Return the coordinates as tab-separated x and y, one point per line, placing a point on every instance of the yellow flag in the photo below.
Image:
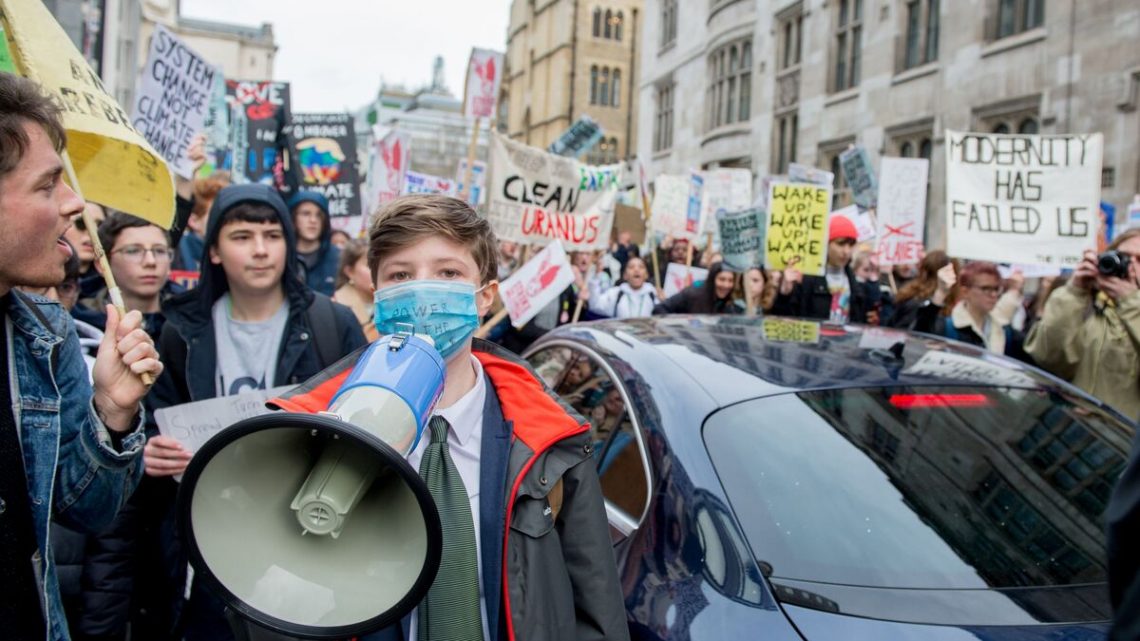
116	166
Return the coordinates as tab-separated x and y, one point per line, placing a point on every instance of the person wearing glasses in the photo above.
139	254
975	318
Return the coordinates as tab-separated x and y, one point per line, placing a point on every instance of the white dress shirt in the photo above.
464	440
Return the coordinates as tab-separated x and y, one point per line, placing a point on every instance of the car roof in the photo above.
736	358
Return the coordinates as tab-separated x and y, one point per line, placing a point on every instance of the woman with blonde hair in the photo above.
354	285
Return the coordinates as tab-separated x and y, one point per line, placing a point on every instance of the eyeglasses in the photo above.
135	253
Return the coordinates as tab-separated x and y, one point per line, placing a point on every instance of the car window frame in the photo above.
625	524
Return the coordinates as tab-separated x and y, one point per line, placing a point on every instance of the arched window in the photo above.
1028	126
925	148
907	150
613	150
594	85
618	24
604	87
615	93
609	19
1001	128
597	22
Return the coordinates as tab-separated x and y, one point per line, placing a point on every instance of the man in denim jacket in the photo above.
68	451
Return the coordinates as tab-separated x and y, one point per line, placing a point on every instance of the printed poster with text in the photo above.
537	283
484	75
670	203
174	92
388	160
724	190
1031	200
797	227
264	110
902	210
537	197
324	157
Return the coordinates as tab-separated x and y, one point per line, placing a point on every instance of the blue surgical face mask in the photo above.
444	310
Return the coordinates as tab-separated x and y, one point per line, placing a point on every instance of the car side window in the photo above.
587	386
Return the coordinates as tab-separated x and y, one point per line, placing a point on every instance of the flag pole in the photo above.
113	290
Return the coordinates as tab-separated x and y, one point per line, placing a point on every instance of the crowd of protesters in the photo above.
281	295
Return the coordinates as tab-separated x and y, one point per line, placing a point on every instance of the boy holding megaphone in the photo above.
526	545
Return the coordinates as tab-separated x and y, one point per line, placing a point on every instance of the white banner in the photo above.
417	183
1022	199
725	190
484	75
387	163
902	209
670	202
537	283
678	277
174	93
538	197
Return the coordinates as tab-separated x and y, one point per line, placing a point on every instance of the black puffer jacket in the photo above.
95	578
812	299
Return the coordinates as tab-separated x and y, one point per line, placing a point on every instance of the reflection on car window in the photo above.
582	383
921	487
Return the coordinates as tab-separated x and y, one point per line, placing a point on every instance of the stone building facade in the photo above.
566	58
762	83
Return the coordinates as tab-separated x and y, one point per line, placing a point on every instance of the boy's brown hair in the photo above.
407	220
22	101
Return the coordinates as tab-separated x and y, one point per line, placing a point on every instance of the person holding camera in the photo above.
1090	331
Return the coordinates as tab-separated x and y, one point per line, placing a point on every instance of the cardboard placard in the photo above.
797	227
902	210
537	283
323	153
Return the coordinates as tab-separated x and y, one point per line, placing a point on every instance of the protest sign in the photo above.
219	150
478	192
798	173
387	163
186	278
265	109
902	210
324	156
766	188
784	330
484	74
174	91
693	211
797	227
970	369
538	197
724	190
537	283
670	202
578	139
1029	271
1106	231
678	277
1022	199
417	183
7	65
192	424
1133	213
114	165
881	338
629	219
860	176
864	222
742	238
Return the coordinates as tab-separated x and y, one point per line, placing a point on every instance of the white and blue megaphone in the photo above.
314	526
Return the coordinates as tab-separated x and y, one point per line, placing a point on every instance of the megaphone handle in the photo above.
245	630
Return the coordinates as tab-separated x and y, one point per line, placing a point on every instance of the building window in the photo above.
604	87
787	135
618	20
914	146
594	85
1017	16
791	41
730	92
848	44
615	93
597	23
663	119
668	22
607	32
921	33
1027	126
1021	123
829	156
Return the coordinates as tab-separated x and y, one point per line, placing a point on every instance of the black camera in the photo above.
1113	263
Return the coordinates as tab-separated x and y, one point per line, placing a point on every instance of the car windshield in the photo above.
919	487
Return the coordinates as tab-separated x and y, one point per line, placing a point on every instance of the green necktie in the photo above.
451	608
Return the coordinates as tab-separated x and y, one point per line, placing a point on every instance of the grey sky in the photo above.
334	52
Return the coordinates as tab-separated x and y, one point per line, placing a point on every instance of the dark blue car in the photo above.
778	479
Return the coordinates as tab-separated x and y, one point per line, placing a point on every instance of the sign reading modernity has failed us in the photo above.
538	197
1022	199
